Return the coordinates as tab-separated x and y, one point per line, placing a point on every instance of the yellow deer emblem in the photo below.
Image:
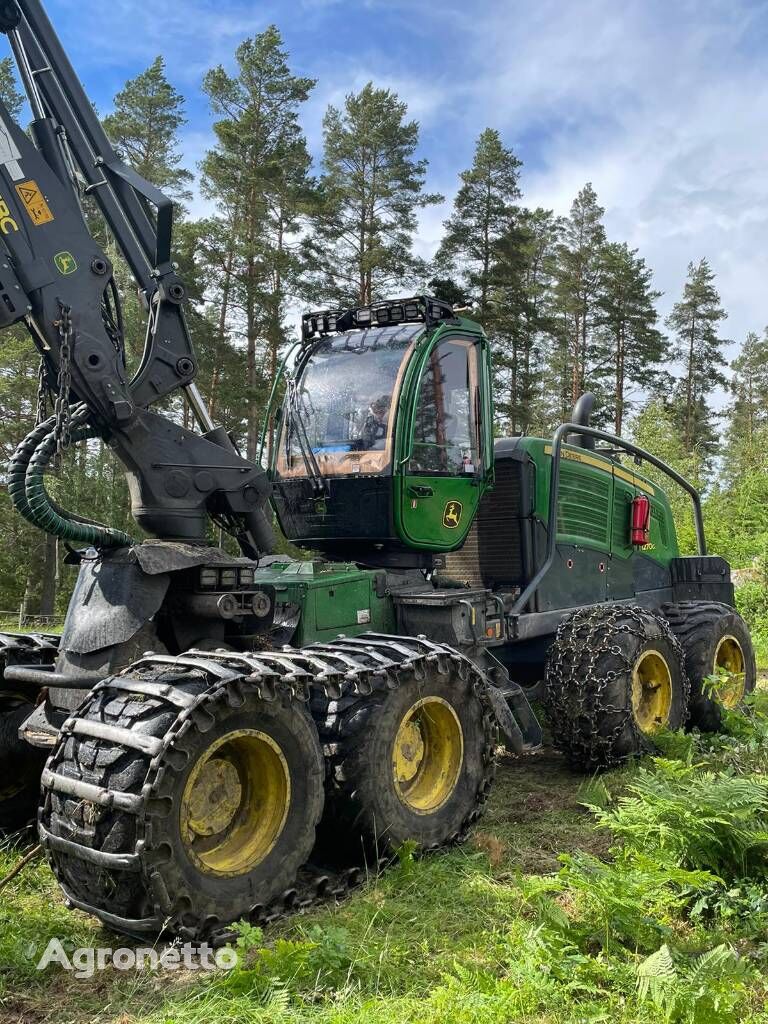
452	514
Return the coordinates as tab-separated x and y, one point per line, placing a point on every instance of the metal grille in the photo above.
658	517
492	553
584	509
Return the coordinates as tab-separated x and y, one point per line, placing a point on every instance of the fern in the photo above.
694	818
655	973
705	989
631	902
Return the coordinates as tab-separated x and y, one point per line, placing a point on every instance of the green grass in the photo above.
627	927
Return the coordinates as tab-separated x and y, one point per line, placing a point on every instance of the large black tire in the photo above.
391	777
615	674
712	634
20	766
146	828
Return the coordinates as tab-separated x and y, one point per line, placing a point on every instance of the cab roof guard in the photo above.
418	309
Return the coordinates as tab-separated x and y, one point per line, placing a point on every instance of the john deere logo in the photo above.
65	263
452	514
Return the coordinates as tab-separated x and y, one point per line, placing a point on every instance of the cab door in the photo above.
447	451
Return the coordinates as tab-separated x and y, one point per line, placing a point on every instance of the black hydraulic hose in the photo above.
17	468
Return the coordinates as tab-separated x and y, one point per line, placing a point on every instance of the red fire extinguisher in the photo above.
640	521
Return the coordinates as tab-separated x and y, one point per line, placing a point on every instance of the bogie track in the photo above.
108	818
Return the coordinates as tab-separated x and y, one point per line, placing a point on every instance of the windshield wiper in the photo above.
297	427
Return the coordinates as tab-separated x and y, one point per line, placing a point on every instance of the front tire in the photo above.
173	803
615	676
716	641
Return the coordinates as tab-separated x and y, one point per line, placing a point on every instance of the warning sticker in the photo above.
34	202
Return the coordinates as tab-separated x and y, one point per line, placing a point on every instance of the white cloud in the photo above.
662	107
192	36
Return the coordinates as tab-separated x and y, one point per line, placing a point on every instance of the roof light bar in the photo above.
421	309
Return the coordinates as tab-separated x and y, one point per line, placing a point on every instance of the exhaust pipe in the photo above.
582	413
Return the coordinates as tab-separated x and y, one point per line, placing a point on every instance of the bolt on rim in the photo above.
427	755
651	691
235	803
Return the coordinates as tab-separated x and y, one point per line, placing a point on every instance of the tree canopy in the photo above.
566	306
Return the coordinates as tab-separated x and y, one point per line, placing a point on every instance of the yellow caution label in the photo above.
34	202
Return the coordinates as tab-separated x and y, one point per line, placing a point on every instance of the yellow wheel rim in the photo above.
235	803
651	691
427	755
730	666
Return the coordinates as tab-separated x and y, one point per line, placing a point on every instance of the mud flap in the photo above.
113	598
519	726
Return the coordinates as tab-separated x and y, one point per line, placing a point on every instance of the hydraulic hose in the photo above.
17	469
26	486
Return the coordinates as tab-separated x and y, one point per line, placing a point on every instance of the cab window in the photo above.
445	422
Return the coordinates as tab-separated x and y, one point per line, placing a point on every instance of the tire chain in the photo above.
582	639
27	649
328	671
332	715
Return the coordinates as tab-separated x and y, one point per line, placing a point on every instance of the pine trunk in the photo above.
49	574
689	390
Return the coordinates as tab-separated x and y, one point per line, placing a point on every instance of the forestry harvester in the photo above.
206	721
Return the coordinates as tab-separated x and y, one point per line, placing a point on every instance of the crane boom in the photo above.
57	280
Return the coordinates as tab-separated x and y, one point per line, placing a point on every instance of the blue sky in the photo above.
663	106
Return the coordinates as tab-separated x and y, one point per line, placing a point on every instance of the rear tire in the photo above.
713	636
615	675
20	766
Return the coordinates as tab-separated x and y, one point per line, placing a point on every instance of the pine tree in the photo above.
656	429
28	569
521	276
258	174
9	90
747	428
144	125
736	523
695	320
576	295
483	210
633	345
373	186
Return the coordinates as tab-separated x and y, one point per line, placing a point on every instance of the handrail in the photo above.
554	495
